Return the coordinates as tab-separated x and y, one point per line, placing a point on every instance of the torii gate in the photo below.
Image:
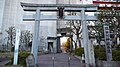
38	8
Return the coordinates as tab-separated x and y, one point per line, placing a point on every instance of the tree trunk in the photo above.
78	39
11	40
79	43
75	45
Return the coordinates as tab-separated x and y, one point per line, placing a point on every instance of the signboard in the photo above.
108	43
16	46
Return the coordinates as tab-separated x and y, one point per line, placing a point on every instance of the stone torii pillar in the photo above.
89	58
85	36
36	35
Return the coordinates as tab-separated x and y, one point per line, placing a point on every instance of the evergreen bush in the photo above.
21	58
116	55
79	51
100	53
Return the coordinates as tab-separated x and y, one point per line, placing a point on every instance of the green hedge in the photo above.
100	53
22	57
79	51
116	55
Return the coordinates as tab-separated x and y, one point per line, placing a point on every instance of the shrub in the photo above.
67	44
12	49
79	51
116	55
100	53
21	58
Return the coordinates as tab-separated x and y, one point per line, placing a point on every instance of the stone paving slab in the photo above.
60	60
4	62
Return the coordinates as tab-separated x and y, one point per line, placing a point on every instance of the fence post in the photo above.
68	61
53	58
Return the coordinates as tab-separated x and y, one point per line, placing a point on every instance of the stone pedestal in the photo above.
30	61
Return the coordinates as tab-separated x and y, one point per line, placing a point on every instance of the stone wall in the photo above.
108	63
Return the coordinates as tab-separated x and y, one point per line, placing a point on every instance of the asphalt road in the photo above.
58	60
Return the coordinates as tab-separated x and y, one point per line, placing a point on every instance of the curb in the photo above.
4	62
78	57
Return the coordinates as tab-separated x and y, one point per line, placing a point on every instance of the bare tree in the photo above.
76	29
25	39
11	36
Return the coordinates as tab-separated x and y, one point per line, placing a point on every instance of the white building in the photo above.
11	14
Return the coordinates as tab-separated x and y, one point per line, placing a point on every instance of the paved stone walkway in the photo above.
3	60
58	60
